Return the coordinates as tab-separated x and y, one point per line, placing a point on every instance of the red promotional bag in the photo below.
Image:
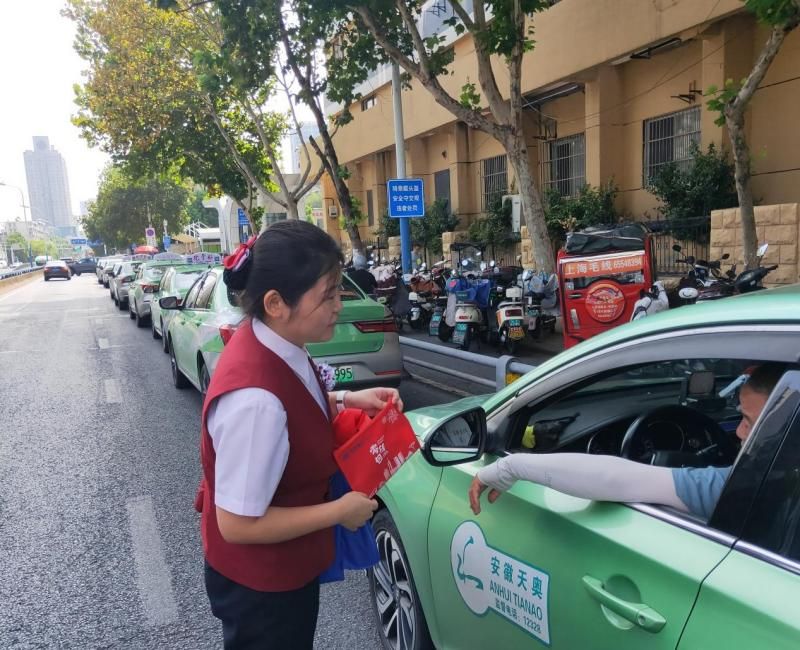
375	449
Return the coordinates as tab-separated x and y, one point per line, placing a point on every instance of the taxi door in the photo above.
599	291
182	326
567	572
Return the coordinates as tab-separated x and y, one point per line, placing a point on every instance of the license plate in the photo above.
516	333
343	374
460	332
433	326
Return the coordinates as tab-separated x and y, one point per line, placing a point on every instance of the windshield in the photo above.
153	274
185	279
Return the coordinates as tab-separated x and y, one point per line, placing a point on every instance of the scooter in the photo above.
541	298
510	322
746	282
470	309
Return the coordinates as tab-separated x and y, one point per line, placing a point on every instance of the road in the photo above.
99	458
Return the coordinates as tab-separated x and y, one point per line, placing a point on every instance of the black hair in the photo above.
288	257
765	377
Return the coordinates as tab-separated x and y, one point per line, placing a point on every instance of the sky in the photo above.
38	71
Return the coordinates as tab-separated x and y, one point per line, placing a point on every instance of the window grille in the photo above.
668	139
369	102
273	217
494	172
562	164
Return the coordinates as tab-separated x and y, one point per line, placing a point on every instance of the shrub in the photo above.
594	206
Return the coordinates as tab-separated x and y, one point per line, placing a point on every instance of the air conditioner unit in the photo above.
516	210
333	211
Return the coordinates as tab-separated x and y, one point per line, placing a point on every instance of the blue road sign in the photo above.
406	197
77	241
242	218
167	241
95	243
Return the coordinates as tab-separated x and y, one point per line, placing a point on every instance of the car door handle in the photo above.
575	296
639	614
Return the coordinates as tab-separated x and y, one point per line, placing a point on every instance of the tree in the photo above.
153	100
498	29
126	205
783	16
271	38
593	206
428	230
197	212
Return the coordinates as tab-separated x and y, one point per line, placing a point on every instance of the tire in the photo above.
395	601
511	346
153	330
131	313
178	378
415	324
122	304
398	321
164	338
445	332
47	279
78	273
205	378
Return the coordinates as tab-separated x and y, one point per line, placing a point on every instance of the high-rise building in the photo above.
48	186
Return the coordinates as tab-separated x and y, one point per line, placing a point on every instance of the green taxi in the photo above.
143	288
176	281
364	350
541	568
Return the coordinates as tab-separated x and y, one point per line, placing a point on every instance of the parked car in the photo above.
364	350
83	265
176	281
108	265
144	286
573	573
56	269
120	278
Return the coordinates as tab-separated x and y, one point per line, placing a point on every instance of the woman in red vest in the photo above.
267	443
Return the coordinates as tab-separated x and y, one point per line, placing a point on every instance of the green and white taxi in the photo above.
364	350
145	285
541	568
176	281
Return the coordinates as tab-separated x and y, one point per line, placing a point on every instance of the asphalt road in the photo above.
99	543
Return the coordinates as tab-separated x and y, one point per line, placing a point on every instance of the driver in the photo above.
609	478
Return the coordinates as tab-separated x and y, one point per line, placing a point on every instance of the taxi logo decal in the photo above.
489	579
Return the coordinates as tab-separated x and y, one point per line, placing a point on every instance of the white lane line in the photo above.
113	393
152	572
102	344
19	351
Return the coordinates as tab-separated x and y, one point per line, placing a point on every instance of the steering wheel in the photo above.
719	448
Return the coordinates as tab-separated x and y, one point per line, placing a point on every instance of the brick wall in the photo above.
776	225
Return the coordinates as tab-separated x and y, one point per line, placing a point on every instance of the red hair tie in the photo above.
237	259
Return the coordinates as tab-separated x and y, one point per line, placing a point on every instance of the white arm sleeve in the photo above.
600	478
251	441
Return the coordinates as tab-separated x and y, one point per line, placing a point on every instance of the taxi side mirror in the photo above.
459	439
169	302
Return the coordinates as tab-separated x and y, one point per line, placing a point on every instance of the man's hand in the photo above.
372	400
475	490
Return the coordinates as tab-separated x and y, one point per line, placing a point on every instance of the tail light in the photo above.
376	326
227	331
149	288
126	279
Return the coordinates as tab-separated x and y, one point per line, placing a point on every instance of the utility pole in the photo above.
400	154
24	218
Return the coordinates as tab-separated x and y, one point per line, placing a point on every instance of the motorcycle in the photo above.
507	325
392	292
423	291
541	299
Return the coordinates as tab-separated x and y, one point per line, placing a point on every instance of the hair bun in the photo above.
237	279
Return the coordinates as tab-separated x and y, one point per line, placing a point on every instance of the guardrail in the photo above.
8	273
503	366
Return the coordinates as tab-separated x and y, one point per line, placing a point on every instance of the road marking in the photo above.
102	344
19	351
152	572
113	393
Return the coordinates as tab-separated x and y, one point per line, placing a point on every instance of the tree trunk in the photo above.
532	206
741	159
291	209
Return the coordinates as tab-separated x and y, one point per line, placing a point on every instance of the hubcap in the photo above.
394	596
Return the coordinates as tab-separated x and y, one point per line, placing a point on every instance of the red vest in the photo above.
283	566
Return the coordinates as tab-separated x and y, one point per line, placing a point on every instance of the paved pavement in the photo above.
99	544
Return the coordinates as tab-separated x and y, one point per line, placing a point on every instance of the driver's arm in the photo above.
600	478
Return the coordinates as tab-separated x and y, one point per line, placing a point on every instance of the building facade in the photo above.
612	91
48	185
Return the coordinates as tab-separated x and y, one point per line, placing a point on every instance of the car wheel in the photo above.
401	621
122	304
141	321
178	378
164	339
131	311
78	273
153	329
47	279
205	378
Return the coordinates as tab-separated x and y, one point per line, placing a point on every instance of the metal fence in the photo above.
691	234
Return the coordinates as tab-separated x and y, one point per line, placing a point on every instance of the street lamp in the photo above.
24	215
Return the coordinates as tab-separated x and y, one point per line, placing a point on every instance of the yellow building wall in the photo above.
585	41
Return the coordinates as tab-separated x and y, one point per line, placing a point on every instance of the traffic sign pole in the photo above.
400	152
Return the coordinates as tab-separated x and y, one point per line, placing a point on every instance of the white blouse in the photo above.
250	436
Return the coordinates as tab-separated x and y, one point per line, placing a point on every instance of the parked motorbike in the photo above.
506	323
541	301
392	292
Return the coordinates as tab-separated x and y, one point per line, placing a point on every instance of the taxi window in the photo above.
191	297
185	279
206	291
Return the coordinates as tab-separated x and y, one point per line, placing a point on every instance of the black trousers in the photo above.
258	620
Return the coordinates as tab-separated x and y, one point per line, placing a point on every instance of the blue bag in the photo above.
353	549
